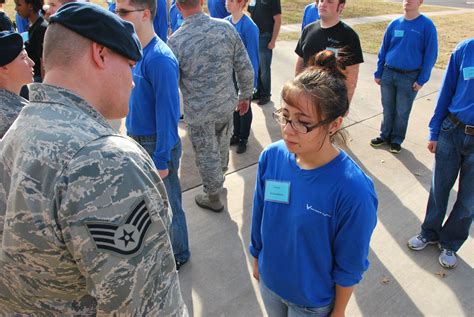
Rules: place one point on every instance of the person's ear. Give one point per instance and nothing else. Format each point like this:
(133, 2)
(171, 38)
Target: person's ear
(335, 125)
(340, 7)
(99, 55)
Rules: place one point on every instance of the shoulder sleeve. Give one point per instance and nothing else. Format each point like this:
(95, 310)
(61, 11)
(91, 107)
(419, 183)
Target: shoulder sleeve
(299, 46)
(276, 7)
(355, 50)
(114, 218)
(242, 66)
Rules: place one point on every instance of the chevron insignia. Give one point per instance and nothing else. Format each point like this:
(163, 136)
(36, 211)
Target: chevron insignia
(125, 239)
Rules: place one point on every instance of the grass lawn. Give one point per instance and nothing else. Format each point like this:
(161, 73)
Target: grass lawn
(371, 34)
(293, 9)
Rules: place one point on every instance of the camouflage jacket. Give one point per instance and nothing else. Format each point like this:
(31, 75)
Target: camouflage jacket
(85, 217)
(209, 51)
(10, 106)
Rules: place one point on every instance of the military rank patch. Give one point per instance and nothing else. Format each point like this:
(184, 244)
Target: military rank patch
(125, 239)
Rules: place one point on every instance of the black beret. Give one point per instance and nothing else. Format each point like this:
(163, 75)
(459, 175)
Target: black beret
(11, 45)
(101, 26)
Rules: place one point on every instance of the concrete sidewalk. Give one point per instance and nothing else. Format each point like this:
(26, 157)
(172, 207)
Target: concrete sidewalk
(289, 28)
(218, 279)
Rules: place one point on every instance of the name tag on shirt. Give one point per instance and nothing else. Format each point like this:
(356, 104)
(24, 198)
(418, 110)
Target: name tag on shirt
(276, 191)
(468, 73)
(399, 33)
(332, 49)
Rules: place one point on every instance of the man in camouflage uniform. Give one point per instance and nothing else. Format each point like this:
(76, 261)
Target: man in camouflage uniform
(15, 71)
(84, 214)
(209, 50)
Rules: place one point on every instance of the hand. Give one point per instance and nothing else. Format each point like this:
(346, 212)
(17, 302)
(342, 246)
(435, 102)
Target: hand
(256, 275)
(337, 314)
(378, 81)
(432, 146)
(416, 87)
(243, 107)
(163, 173)
(271, 45)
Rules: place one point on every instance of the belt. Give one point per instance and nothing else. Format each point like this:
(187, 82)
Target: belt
(402, 71)
(468, 129)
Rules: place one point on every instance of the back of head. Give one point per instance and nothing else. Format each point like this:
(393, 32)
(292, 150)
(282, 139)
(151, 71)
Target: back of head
(322, 83)
(36, 4)
(189, 4)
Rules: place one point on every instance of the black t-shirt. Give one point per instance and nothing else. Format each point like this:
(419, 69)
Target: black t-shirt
(5, 22)
(340, 37)
(262, 14)
(34, 45)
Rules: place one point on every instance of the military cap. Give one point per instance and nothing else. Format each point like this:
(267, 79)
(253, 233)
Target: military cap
(100, 26)
(11, 45)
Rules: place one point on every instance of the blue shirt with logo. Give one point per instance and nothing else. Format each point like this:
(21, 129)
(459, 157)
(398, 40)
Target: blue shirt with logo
(409, 45)
(311, 14)
(457, 91)
(311, 228)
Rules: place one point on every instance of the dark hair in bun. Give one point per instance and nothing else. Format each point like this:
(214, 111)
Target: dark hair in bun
(321, 84)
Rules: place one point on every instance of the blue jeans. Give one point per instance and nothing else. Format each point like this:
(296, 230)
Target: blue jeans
(264, 84)
(279, 307)
(179, 229)
(397, 100)
(454, 155)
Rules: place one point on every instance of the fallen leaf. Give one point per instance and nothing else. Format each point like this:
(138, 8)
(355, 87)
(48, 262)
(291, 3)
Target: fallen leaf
(382, 161)
(384, 280)
(417, 174)
(441, 274)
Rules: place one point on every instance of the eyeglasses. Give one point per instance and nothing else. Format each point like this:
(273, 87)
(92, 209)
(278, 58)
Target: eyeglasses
(296, 125)
(123, 12)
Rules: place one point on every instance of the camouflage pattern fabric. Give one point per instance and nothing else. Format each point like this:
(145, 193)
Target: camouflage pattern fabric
(211, 145)
(208, 51)
(10, 106)
(84, 217)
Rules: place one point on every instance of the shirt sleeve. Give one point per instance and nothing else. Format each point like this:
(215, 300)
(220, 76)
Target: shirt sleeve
(243, 68)
(355, 50)
(299, 46)
(257, 210)
(383, 51)
(164, 76)
(431, 53)
(251, 40)
(357, 220)
(448, 89)
(114, 219)
(276, 7)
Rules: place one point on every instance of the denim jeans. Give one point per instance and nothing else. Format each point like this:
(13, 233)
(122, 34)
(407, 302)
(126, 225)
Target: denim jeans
(454, 155)
(279, 307)
(179, 230)
(397, 100)
(264, 84)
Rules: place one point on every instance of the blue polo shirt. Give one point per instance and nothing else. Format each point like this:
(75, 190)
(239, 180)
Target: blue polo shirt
(409, 45)
(311, 14)
(457, 91)
(249, 34)
(217, 8)
(154, 101)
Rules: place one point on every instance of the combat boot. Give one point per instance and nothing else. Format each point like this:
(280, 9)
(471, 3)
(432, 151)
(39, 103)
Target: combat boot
(211, 202)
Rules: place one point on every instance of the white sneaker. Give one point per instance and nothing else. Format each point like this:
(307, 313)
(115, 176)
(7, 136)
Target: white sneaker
(419, 242)
(448, 259)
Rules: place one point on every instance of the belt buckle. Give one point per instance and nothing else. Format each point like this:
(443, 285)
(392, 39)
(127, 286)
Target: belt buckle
(469, 129)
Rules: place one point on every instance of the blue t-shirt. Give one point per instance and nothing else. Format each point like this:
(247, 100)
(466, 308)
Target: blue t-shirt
(154, 101)
(21, 23)
(409, 45)
(176, 18)
(160, 22)
(310, 15)
(321, 236)
(457, 91)
(249, 34)
(217, 8)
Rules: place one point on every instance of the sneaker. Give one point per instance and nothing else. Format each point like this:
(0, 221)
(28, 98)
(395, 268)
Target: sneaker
(419, 242)
(179, 265)
(263, 101)
(448, 259)
(234, 140)
(395, 148)
(242, 147)
(377, 142)
(211, 202)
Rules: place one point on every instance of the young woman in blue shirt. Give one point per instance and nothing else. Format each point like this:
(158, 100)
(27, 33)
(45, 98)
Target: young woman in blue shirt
(249, 34)
(314, 208)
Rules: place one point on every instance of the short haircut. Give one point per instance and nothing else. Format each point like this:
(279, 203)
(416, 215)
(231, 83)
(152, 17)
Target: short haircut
(37, 4)
(145, 4)
(62, 47)
(189, 3)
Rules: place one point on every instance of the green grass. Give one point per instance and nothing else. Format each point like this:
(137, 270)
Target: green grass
(293, 9)
(371, 34)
